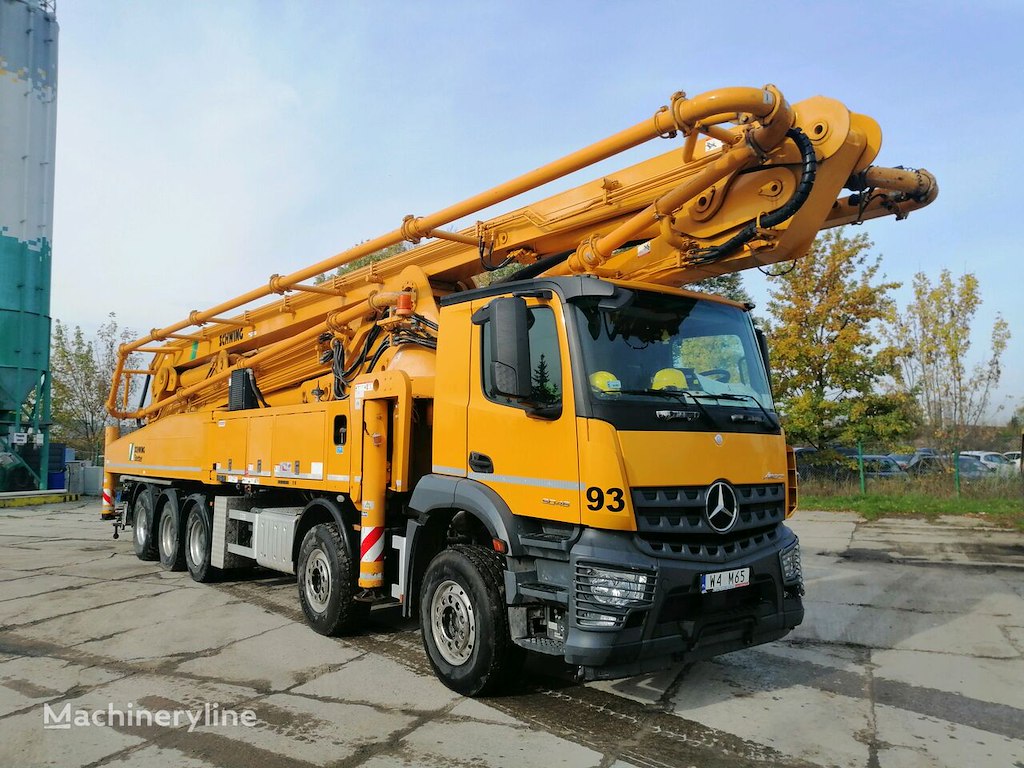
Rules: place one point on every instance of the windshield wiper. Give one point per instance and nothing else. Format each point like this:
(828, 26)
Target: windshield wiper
(730, 396)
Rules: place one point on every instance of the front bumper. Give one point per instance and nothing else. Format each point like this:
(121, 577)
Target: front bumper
(676, 623)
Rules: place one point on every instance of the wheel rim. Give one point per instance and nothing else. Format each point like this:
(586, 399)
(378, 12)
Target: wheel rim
(167, 538)
(318, 581)
(142, 522)
(453, 623)
(196, 541)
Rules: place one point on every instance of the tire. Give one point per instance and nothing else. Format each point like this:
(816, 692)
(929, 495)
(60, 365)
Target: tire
(198, 539)
(465, 621)
(170, 540)
(144, 524)
(327, 584)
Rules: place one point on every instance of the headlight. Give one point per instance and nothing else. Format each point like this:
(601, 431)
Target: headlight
(622, 589)
(604, 595)
(789, 559)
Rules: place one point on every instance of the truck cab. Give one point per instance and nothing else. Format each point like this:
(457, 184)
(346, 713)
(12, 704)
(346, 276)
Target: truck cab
(621, 446)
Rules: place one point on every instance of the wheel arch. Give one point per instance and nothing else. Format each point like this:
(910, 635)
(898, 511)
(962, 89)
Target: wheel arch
(326, 510)
(195, 497)
(165, 494)
(136, 489)
(436, 502)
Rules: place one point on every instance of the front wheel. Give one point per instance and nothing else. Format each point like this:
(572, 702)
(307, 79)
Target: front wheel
(327, 582)
(465, 621)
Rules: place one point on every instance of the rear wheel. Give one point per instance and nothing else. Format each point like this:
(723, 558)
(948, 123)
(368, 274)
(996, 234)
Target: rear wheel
(327, 582)
(465, 621)
(198, 538)
(143, 523)
(170, 541)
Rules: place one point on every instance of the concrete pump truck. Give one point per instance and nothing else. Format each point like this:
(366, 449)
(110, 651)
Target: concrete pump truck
(578, 458)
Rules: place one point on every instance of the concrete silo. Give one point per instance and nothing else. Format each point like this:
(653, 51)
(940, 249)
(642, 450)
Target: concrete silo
(28, 117)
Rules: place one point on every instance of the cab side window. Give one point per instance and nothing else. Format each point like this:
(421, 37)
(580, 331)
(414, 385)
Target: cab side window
(545, 363)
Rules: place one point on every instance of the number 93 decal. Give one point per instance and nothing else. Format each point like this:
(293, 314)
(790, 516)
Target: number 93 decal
(611, 499)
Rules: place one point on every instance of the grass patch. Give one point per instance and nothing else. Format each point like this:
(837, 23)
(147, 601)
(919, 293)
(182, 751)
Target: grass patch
(1000, 502)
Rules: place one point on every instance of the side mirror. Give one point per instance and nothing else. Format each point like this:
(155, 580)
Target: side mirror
(509, 330)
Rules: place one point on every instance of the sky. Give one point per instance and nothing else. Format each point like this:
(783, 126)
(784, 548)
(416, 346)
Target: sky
(202, 147)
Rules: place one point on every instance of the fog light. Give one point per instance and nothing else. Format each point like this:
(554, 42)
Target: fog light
(591, 619)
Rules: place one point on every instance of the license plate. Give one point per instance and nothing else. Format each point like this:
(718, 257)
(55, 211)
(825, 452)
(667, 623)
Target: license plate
(723, 580)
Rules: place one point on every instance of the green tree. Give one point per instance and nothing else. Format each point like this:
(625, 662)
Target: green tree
(543, 391)
(81, 369)
(832, 374)
(729, 285)
(370, 258)
(711, 351)
(934, 339)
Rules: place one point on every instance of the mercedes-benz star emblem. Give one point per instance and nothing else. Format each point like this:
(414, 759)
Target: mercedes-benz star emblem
(721, 507)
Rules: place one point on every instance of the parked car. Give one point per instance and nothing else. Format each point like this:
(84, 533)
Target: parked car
(901, 458)
(823, 465)
(973, 468)
(883, 467)
(928, 464)
(970, 467)
(994, 461)
(838, 464)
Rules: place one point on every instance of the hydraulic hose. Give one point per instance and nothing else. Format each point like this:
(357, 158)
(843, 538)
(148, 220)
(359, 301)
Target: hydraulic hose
(537, 268)
(809, 162)
(142, 397)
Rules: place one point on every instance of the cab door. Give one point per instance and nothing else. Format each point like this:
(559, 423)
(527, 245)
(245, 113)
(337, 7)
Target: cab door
(526, 449)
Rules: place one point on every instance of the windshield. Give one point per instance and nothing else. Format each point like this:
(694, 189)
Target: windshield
(664, 346)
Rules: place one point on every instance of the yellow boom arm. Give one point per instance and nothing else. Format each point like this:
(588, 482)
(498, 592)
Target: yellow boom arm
(753, 182)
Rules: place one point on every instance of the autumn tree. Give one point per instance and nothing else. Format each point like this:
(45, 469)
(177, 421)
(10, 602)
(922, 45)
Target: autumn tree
(1016, 422)
(1013, 433)
(81, 369)
(934, 339)
(710, 351)
(831, 370)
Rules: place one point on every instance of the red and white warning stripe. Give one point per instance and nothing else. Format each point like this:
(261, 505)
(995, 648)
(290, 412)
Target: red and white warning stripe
(371, 556)
(371, 549)
(107, 512)
(372, 545)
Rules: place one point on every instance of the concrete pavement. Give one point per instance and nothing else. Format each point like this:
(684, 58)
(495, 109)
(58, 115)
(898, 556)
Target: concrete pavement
(910, 655)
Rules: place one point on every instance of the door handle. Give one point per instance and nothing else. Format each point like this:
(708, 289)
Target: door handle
(480, 462)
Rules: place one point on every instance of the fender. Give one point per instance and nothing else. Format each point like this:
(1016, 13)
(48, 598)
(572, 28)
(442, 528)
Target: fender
(166, 496)
(315, 512)
(442, 494)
